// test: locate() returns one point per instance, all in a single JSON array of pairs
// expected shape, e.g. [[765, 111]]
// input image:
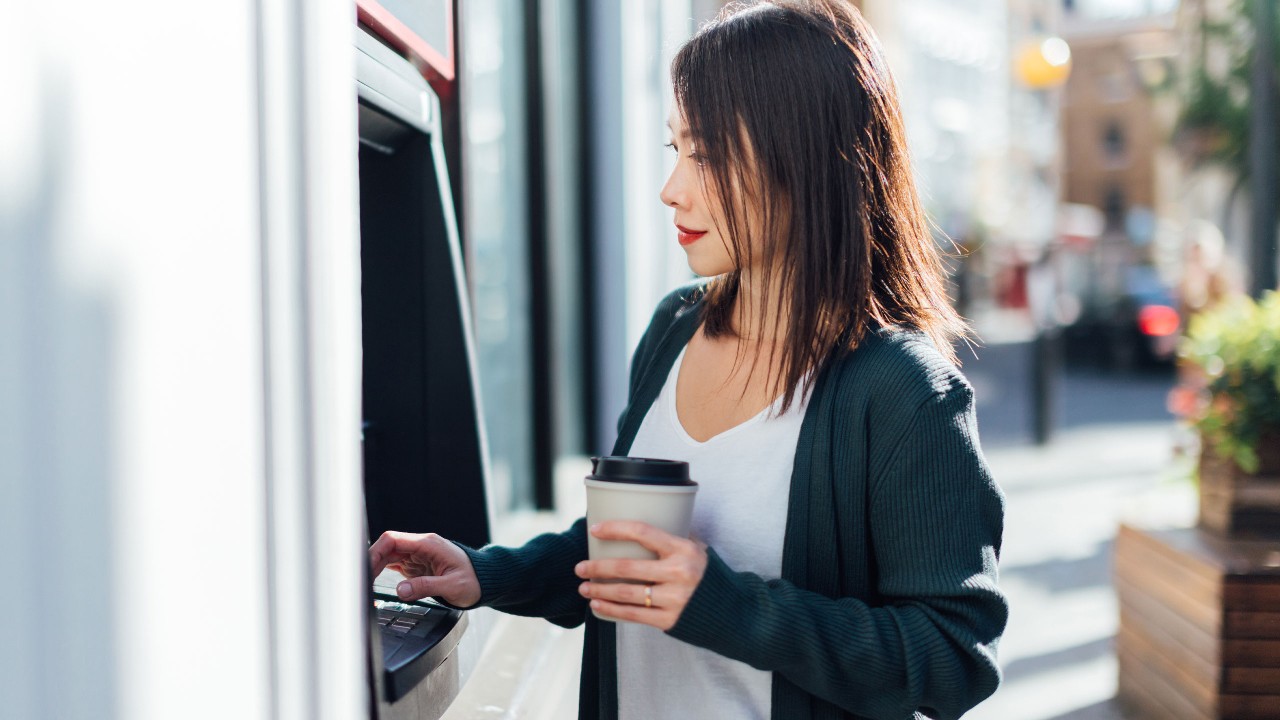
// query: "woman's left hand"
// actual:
[[668, 582]]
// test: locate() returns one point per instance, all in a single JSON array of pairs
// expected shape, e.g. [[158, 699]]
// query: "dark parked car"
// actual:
[[1139, 327]]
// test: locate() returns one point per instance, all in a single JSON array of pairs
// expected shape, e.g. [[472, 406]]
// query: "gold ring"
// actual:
[[648, 596]]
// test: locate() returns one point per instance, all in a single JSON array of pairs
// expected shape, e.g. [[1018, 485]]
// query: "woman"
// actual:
[[847, 528]]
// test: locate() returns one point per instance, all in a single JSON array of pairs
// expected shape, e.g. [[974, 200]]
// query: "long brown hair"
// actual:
[[795, 114]]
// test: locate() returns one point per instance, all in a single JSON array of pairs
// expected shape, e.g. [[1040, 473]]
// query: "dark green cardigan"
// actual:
[[887, 606]]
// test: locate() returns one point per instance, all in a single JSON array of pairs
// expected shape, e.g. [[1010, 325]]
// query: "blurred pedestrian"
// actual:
[[847, 528], [1207, 279], [1207, 276]]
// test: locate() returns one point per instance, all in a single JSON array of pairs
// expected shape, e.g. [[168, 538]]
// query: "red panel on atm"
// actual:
[[421, 29]]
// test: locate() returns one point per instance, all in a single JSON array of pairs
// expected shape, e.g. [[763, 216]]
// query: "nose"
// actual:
[[673, 192]]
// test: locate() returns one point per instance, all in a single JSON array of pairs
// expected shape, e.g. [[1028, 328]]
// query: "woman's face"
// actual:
[[700, 219]]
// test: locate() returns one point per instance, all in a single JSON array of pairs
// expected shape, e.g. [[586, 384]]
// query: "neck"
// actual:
[[757, 317]]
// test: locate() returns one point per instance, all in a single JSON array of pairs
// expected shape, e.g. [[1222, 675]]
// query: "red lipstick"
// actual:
[[687, 236]]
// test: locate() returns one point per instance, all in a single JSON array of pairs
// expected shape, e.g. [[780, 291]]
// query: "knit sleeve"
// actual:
[[536, 579], [928, 644]]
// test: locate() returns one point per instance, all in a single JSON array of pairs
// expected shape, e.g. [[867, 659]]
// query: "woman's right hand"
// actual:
[[432, 566]]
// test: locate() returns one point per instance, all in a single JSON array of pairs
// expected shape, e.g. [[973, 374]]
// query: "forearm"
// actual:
[[536, 579], [932, 654]]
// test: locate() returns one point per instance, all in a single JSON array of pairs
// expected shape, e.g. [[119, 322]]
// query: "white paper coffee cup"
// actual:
[[656, 492]]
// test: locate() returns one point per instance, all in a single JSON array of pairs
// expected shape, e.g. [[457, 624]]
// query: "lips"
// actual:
[[687, 236]]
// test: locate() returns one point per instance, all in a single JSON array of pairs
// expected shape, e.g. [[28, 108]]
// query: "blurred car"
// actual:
[[1137, 328]]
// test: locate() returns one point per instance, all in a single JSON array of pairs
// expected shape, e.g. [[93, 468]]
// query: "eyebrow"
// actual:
[[683, 136]]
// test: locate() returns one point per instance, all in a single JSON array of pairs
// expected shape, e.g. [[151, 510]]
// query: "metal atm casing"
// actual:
[[424, 456]]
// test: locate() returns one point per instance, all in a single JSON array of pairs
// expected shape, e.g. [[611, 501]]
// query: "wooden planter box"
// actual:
[[1199, 631], [1235, 503]]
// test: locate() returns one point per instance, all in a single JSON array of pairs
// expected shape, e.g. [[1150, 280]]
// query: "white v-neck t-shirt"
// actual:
[[744, 482]]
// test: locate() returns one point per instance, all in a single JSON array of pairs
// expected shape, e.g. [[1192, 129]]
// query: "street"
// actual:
[[1112, 458]]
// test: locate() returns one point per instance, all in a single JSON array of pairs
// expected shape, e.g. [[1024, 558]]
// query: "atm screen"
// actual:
[[422, 450]]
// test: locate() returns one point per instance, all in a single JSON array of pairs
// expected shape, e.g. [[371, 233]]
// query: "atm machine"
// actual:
[[424, 463]]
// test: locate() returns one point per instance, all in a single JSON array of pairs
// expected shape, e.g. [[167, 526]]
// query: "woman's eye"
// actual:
[[694, 156]]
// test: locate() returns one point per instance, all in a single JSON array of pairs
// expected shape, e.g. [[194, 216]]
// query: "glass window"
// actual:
[[495, 226], [1113, 206], [1113, 142], [634, 254], [655, 264], [562, 138]]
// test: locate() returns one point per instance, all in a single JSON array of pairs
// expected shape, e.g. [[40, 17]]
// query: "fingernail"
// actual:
[[595, 528], [578, 569], [585, 588], [595, 604], [404, 589]]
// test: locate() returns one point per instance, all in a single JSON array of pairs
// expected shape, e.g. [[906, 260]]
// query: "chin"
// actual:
[[708, 269], [706, 264]]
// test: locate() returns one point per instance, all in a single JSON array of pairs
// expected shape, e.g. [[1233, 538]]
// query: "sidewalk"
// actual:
[[1064, 503]]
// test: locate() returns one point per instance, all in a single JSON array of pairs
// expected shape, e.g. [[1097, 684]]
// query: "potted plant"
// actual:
[[1235, 347]]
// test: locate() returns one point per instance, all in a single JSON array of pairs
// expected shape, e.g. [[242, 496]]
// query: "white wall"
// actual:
[[133, 464]]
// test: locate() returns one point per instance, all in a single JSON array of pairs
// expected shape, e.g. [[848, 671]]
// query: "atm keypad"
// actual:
[[404, 619]]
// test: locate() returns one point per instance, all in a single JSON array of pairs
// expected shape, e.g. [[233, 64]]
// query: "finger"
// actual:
[[649, 537], [626, 593], [391, 547], [412, 569], [649, 571], [620, 611], [423, 586], [380, 560]]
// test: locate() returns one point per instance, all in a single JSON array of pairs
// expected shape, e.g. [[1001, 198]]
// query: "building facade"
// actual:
[[1116, 150]]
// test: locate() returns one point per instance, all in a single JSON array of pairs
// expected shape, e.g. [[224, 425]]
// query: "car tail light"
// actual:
[[1158, 320]]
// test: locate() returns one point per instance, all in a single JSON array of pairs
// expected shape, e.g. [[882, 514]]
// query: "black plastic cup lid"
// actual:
[[640, 471]]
